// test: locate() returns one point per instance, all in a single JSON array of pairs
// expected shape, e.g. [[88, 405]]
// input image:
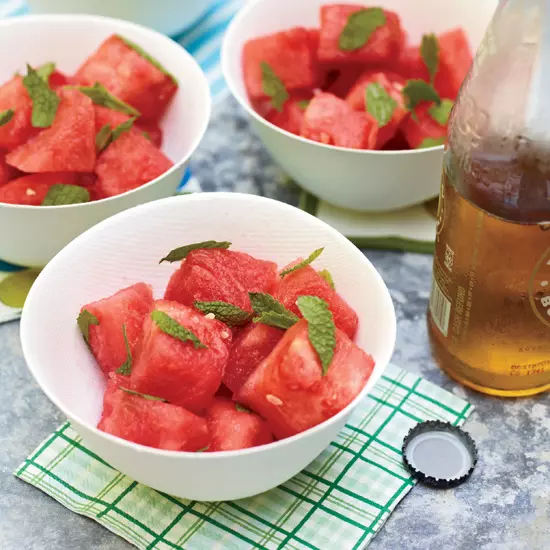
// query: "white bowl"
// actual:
[[166, 16], [126, 249], [30, 235], [355, 179]]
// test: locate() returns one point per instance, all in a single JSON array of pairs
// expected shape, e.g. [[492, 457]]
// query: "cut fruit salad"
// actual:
[[89, 136], [355, 82], [236, 354]]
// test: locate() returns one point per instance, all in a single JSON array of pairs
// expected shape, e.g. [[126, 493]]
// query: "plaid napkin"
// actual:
[[341, 500]]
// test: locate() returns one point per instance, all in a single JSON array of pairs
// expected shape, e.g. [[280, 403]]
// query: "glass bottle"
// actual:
[[489, 314]]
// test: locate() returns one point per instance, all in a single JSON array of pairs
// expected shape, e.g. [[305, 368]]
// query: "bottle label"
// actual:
[[490, 296]]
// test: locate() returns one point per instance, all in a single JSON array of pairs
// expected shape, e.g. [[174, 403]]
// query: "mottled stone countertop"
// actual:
[[505, 506]]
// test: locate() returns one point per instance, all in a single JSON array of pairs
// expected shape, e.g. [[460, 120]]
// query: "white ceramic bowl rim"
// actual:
[[220, 454], [169, 43], [229, 78]]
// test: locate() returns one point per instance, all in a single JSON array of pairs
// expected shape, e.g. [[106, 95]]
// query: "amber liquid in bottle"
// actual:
[[489, 314]]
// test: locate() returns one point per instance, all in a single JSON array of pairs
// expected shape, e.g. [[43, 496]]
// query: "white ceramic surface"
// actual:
[[31, 236], [126, 249], [360, 180], [166, 16]]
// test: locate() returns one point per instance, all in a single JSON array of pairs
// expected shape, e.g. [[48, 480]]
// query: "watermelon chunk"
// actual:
[[249, 349], [153, 131], [176, 370], [127, 307], [290, 55], [292, 115], [31, 190], [289, 390], [357, 99], [330, 120], [424, 131], [232, 429], [6, 171], [307, 282], [129, 162], [345, 78], [18, 130], [58, 80], [218, 274], [67, 146], [455, 59], [129, 76], [384, 44], [151, 423]]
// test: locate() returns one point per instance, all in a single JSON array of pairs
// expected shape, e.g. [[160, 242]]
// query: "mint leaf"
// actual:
[[379, 103], [417, 91], [44, 101], [321, 329], [274, 319], [271, 312], [6, 116], [61, 194], [242, 408], [303, 104], [180, 253], [144, 395], [173, 328], [313, 256], [359, 28], [440, 113], [203, 449], [125, 126], [325, 273], [146, 135], [429, 50], [229, 314], [101, 96], [84, 320], [103, 137], [273, 86], [126, 368], [431, 142], [45, 71], [148, 57]]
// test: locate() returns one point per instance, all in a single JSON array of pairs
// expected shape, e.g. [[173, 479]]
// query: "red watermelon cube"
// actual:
[[455, 59], [422, 130], [330, 120], [129, 162], [31, 190], [68, 145], [291, 56], [6, 171], [18, 130], [289, 390], [250, 348], [149, 422], [232, 428], [357, 99], [126, 308], [384, 44], [307, 282], [217, 274], [129, 76], [292, 115], [344, 79], [176, 370]]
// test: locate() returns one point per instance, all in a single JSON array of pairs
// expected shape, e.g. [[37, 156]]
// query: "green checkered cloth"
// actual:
[[341, 500]]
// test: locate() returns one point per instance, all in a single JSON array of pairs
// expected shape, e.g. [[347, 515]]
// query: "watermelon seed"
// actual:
[[274, 400], [210, 316], [30, 192], [225, 335]]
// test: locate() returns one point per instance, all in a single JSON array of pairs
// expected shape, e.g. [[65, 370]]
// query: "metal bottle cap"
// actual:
[[439, 454]]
